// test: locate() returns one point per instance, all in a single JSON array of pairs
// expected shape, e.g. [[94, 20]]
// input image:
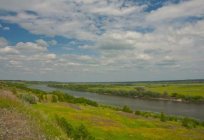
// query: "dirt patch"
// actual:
[[14, 126]]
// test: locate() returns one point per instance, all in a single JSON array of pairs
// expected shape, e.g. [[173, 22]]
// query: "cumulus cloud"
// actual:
[[121, 36], [8, 50], [173, 11]]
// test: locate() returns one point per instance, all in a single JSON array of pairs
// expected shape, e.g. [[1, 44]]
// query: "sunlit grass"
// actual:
[[105, 123]]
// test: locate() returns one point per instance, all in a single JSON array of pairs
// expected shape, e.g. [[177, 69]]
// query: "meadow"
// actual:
[[55, 115], [108, 124]]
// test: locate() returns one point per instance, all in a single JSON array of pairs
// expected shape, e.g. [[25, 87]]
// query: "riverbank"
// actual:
[[168, 107], [188, 93]]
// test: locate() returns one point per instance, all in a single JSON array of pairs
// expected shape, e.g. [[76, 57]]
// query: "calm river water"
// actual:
[[168, 107]]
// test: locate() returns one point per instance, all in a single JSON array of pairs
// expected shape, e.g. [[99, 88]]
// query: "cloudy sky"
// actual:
[[101, 40]]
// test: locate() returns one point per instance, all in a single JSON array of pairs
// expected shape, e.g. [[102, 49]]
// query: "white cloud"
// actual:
[[116, 43], [39, 46], [8, 50], [172, 11]]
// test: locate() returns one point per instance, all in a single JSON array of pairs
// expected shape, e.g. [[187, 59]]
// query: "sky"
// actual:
[[101, 40]]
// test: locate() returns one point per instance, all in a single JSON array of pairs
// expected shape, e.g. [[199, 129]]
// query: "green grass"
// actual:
[[108, 124], [182, 89], [41, 123]]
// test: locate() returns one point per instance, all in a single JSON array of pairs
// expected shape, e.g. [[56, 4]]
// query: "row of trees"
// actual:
[[139, 92]]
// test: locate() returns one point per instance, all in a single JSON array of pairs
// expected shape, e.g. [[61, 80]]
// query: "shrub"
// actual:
[[127, 109], [189, 123], [137, 112], [174, 94], [81, 133], [54, 98], [29, 98], [69, 130], [163, 118]]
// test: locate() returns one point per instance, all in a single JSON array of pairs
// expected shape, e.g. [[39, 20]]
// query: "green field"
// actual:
[[181, 89]]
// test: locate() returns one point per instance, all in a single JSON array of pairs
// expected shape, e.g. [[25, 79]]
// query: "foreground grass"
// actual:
[[107, 124], [20, 121]]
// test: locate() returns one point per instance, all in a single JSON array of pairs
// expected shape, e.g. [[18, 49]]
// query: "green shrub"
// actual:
[[68, 129], [29, 98], [54, 98], [80, 133], [137, 112], [189, 123], [163, 117], [127, 109]]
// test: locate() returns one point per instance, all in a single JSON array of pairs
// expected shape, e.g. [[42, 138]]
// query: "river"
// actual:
[[168, 107]]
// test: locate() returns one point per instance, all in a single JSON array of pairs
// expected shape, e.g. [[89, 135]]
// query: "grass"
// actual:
[[38, 123], [102, 122], [105, 123], [182, 89]]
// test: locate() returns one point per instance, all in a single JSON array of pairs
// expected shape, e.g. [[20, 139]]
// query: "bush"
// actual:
[[127, 109], [137, 112], [54, 98], [69, 130], [189, 123], [163, 118], [80, 133], [29, 98]]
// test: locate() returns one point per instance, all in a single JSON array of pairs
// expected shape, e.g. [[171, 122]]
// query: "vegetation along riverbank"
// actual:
[[175, 91]]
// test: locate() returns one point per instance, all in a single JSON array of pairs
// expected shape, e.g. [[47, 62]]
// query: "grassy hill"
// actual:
[[29, 114]]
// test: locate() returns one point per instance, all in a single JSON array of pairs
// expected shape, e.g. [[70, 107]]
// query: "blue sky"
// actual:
[[110, 40]]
